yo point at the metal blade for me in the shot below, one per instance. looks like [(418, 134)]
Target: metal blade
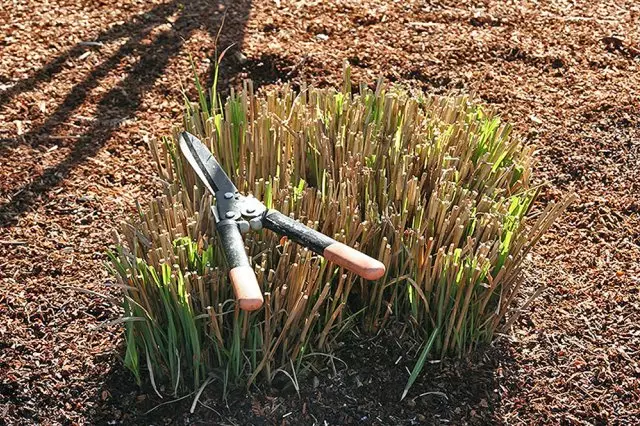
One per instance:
[(205, 165)]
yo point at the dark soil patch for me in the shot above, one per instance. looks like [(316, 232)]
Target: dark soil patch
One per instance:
[(361, 385)]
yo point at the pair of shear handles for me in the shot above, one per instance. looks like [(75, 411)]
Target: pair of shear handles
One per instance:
[(236, 214)]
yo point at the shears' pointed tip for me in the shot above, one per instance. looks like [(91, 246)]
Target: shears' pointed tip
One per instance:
[(184, 139), (201, 159), (191, 146)]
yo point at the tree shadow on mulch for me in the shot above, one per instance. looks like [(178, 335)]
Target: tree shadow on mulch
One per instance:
[(122, 101), (362, 384), (119, 104)]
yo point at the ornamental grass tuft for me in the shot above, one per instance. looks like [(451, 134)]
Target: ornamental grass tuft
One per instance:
[(435, 187)]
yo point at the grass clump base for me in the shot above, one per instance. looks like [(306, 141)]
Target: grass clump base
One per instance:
[(436, 188)]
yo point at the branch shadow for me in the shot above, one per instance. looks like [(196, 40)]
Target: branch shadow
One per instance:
[(45, 74), (136, 29), (123, 100)]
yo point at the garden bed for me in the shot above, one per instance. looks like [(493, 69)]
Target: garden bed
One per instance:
[(74, 118)]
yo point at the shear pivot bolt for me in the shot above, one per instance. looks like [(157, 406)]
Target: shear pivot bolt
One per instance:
[(230, 215), (228, 195)]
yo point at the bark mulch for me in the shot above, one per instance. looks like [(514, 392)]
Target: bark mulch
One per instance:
[(83, 85)]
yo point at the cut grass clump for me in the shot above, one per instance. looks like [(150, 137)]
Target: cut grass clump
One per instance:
[(436, 188), (180, 313)]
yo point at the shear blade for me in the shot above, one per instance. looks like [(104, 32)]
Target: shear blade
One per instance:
[(205, 165)]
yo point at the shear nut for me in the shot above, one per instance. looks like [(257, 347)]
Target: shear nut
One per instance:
[(256, 223), (244, 226)]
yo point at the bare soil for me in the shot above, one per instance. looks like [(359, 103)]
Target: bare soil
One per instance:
[(84, 84)]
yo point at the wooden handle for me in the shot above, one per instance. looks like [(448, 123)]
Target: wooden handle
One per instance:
[(332, 250), (354, 261), (246, 288)]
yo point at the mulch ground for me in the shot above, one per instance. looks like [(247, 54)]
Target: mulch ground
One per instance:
[(84, 84)]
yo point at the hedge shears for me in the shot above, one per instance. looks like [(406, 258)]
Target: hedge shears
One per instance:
[(235, 214)]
